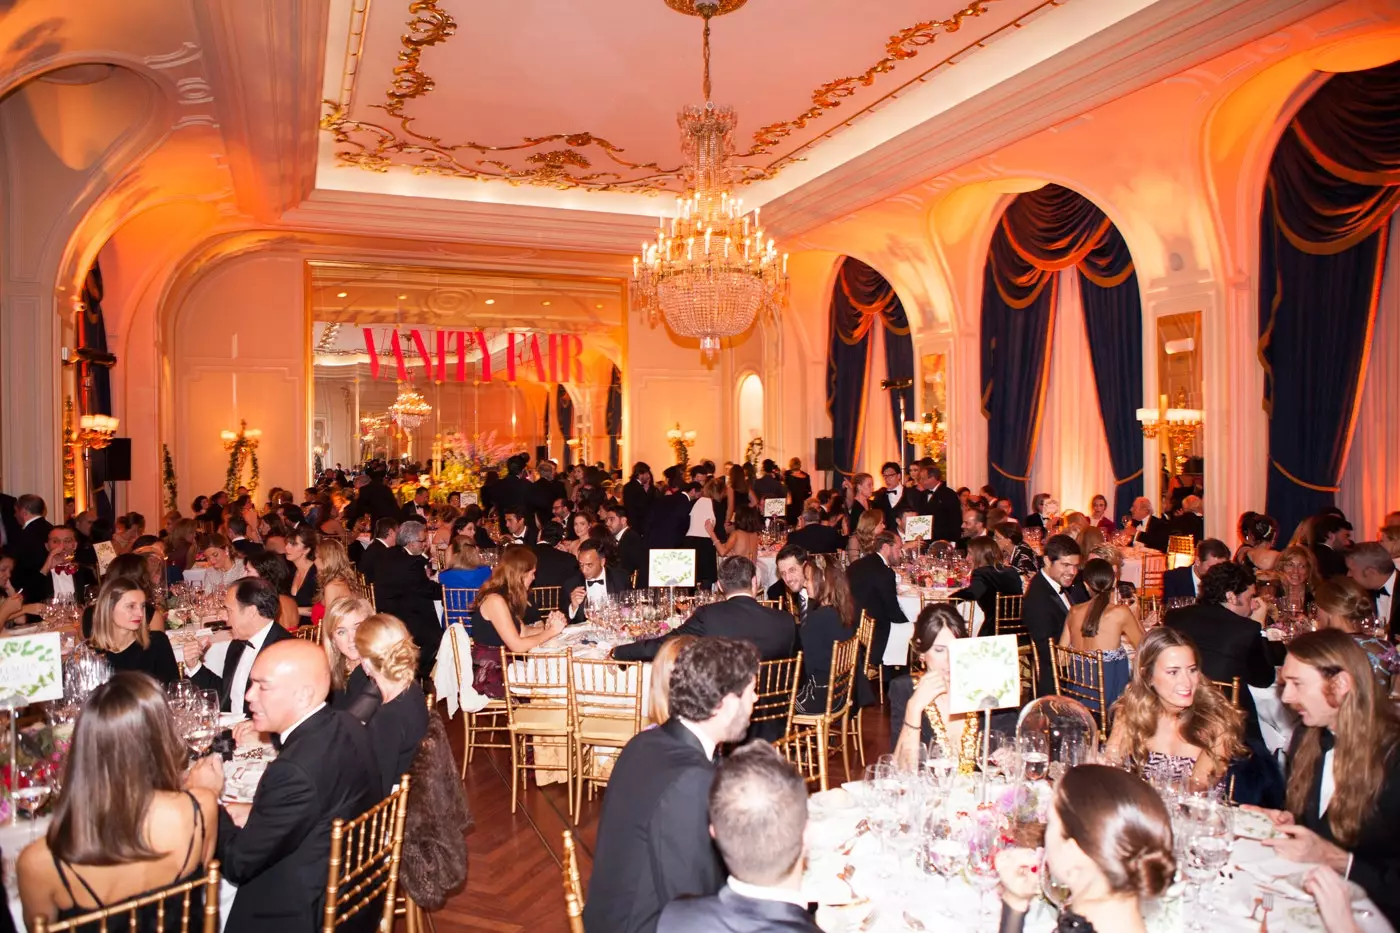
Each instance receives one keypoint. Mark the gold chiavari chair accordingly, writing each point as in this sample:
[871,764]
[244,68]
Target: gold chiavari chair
[1008,618]
[309,631]
[777,691]
[1154,564]
[490,718]
[1181,545]
[158,903]
[605,711]
[802,748]
[546,598]
[537,716]
[1028,662]
[364,865]
[1079,674]
[1231,689]
[874,668]
[573,887]
[773,604]
[457,605]
[835,720]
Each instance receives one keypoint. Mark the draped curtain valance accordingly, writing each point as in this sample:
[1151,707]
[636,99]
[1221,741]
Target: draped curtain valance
[1040,234]
[861,300]
[1333,184]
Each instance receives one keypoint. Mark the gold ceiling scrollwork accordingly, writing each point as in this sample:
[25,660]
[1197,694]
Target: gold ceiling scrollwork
[377,147]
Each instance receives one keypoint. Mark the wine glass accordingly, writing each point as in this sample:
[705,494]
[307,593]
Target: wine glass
[939,764]
[983,843]
[33,787]
[944,854]
[1209,829]
[1034,749]
[1056,892]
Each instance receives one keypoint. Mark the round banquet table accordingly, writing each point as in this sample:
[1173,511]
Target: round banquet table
[911,602]
[889,892]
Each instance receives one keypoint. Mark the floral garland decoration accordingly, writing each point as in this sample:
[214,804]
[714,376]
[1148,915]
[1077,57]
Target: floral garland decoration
[242,450]
[172,490]
[754,452]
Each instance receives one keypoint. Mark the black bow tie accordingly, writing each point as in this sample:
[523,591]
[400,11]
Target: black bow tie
[1327,741]
[1381,592]
[276,741]
[598,582]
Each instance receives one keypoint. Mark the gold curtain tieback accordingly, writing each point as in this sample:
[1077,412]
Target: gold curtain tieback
[1019,479]
[1127,479]
[1315,488]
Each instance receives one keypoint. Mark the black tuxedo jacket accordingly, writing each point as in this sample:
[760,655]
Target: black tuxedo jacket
[734,913]
[11,523]
[371,556]
[772,631]
[1231,646]
[639,501]
[281,856]
[402,588]
[817,539]
[513,492]
[881,501]
[613,581]
[410,513]
[986,585]
[245,547]
[632,554]
[206,679]
[874,590]
[554,567]
[668,522]
[1330,561]
[942,503]
[1176,584]
[1189,524]
[1154,532]
[1043,613]
[41,587]
[654,833]
[543,492]
[30,552]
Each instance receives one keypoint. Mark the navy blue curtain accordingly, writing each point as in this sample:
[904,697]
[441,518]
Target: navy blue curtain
[1333,184]
[614,418]
[94,372]
[1041,234]
[862,299]
[565,406]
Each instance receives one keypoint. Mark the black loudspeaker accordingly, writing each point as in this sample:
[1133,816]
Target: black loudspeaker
[112,464]
[541,453]
[826,454]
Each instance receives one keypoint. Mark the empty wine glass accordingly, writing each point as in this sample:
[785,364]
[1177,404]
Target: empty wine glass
[1056,892]
[983,843]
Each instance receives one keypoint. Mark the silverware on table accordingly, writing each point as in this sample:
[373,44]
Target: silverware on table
[913,922]
[1266,904]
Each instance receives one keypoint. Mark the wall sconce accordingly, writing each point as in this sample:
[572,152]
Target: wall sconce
[681,442]
[96,431]
[1175,427]
[929,435]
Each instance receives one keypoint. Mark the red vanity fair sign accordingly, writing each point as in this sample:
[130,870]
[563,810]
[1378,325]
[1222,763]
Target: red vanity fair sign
[546,357]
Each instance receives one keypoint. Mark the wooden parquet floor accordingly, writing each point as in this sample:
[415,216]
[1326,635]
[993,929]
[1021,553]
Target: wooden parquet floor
[514,882]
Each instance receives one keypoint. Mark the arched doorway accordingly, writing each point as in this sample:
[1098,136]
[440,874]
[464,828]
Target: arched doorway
[750,416]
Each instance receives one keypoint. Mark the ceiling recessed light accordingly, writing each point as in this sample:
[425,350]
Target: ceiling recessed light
[545,303]
[341,294]
[490,301]
[403,298]
[599,306]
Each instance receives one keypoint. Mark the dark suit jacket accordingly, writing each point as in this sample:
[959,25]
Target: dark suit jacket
[654,833]
[375,500]
[40,588]
[668,522]
[740,617]
[639,501]
[410,513]
[1330,561]
[1231,645]
[873,589]
[245,547]
[632,554]
[1154,533]
[369,560]
[205,679]
[1189,524]
[402,588]
[613,582]
[942,503]
[543,492]
[1043,613]
[817,539]
[30,552]
[986,585]
[7,518]
[554,567]
[1176,584]
[881,501]
[280,858]
[512,492]
[734,913]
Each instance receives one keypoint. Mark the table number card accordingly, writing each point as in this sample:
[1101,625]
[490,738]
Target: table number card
[671,567]
[774,508]
[469,498]
[918,527]
[32,666]
[106,553]
[980,668]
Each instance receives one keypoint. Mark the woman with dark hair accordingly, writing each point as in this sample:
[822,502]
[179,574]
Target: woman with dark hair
[926,715]
[1343,778]
[499,619]
[301,551]
[121,632]
[1171,723]
[273,567]
[799,489]
[743,534]
[124,824]
[990,578]
[1102,627]
[181,549]
[1343,604]
[1259,532]
[1108,839]
[1016,554]
[828,619]
[139,569]
[1098,507]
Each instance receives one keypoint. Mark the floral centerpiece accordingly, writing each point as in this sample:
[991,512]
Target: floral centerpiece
[467,460]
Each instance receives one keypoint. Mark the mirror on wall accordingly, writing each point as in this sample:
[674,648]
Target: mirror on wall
[1180,401]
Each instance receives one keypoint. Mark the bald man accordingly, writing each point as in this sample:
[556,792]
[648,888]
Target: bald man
[277,850]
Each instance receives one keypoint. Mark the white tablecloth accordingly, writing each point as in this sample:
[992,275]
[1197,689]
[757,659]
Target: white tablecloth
[767,571]
[897,648]
[13,839]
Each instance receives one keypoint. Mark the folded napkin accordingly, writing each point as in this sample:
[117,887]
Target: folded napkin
[452,673]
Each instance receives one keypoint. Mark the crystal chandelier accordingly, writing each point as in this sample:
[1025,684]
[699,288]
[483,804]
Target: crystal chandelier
[712,272]
[409,409]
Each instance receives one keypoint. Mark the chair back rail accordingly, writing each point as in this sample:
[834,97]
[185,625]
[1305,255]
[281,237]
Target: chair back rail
[364,862]
[207,922]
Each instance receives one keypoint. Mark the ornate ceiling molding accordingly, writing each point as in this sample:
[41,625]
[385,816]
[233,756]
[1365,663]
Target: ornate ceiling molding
[566,161]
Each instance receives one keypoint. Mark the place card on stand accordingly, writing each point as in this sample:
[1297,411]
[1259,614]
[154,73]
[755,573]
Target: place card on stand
[774,508]
[106,553]
[671,567]
[979,668]
[32,666]
[469,498]
[918,527]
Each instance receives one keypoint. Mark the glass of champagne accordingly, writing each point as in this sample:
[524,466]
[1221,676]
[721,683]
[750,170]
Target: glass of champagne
[1035,756]
[33,787]
[1056,892]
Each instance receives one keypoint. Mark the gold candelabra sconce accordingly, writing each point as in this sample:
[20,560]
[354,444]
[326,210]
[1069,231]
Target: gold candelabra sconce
[929,434]
[96,431]
[681,442]
[1174,426]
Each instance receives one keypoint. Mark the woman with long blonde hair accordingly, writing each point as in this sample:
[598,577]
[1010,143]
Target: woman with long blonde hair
[1171,723]
[351,687]
[1343,779]
[659,707]
[499,618]
[871,523]
[335,575]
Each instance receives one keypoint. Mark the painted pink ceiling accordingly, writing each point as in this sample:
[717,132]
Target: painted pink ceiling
[616,74]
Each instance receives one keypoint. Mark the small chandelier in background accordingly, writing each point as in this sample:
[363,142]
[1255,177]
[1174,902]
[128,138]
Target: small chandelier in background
[409,409]
[712,273]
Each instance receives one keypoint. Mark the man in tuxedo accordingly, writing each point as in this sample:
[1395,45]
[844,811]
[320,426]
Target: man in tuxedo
[517,525]
[513,494]
[631,549]
[1190,523]
[639,497]
[670,516]
[769,485]
[1370,565]
[277,849]
[974,525]
[758,818]
[1185,582]
[546,491]
[873,590]
[654,832]
[416,509]
[238,536]
[374,499]
[31,549]
[1332,537]
[553,567]
[815,537]
[940,502]
[253,607]
[9,524]
[60,574]
[402,588]
[592,583]
[1148,530]
[738,615]
[1047,602]
[792,578]
[893,500]
[386,537]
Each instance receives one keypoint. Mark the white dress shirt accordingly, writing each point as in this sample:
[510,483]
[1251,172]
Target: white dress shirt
[761,893]
[62,584]
[238,685]
[892,496]
[292,728]
[596,591]
[707,743]
[701,511]
[1063,591]
[1385,601]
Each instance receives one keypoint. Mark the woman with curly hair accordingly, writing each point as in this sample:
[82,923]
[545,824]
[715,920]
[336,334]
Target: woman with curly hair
[1171,723]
